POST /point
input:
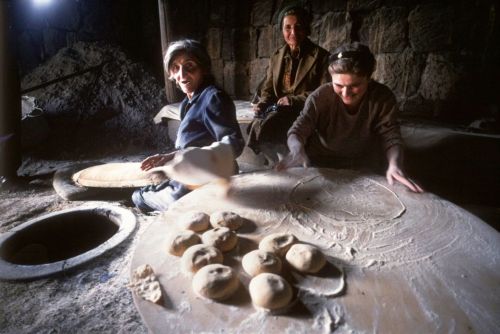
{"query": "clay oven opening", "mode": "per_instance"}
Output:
(57, 238)
(62, 240)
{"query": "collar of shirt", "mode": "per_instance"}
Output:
(187, 103)
(295, 55)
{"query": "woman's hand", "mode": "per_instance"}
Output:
(394, 173)
(284, 101)
(156, 160)
(293, 160)
(297, 156)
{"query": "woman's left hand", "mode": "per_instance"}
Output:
(156, 160)
(395, 173)
(284, 101)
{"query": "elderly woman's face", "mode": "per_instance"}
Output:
(293, 31)
(350, 87)
(187, 73)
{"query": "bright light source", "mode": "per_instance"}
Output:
(40, 3)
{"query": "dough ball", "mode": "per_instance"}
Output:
(181, 241)
(194, 221)
(259, 261)
(227, 219)
(305, 258)
(221, 237)
(198, 256)
(270, 291)
(215, 281)
(278, 243)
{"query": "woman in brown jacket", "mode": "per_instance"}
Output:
(295, 70)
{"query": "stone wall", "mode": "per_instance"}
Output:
(441, 58)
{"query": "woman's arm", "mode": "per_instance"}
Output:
(220, 119)
(267, 91)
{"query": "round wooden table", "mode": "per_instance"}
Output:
(398, 262)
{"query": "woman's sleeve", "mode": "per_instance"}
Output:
(220, 120)
(267, 93)
(387, 125)
(305, 124)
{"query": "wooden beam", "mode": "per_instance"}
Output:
(173, 94)
(10, 100)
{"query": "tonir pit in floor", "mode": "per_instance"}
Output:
(62, 240)
(397, 261)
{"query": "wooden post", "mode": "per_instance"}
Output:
(173, 94)
(10, 100)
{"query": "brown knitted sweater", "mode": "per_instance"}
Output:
(334, 137)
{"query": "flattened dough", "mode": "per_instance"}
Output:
(227, 219)
(194, 221)
(181, 241)
(278, 243)
(215, 281)
(221, 237)
(116, 175)
(198, 256)
(258, 261)
(270, 291)
(305, 258)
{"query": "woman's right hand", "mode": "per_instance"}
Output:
(297, 156)
(156, 160)
(297, 159)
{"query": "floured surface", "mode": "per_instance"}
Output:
(398, 261)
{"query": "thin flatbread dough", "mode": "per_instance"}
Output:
(117, 175)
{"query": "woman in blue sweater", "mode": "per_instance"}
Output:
(207, 114)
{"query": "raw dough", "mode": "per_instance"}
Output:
(305, 258)
(278, 243)
(181, 241)
(215, 281)
(259, 261)
(221, 237)
(226, 219)
(145, 284)
(194, 221)
(270, 291)
(198, 256)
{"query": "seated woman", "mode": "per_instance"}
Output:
(294, 71)
(207, 114)
(347, 123)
